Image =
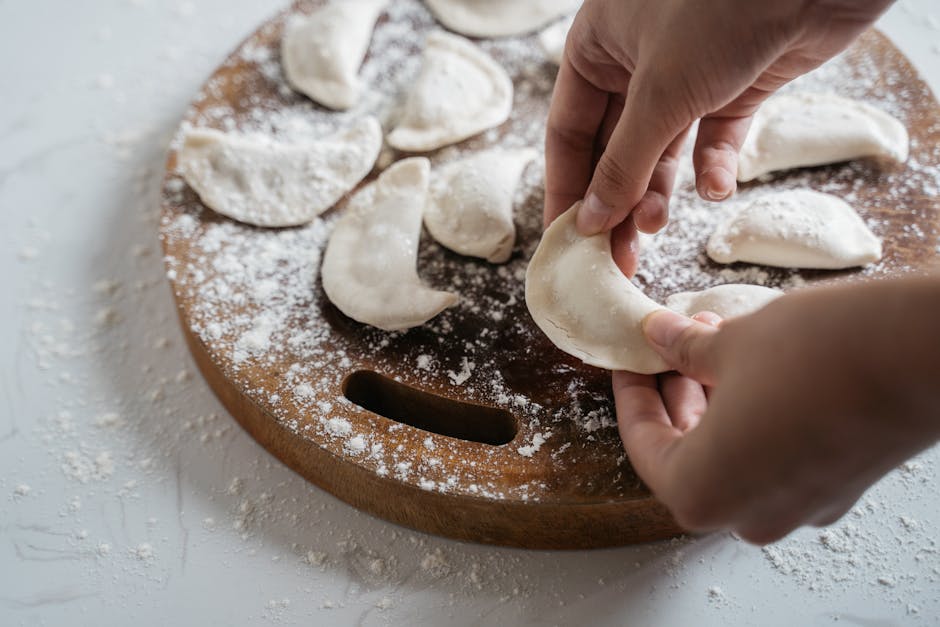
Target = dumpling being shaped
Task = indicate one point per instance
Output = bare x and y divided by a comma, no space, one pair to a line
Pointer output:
553,39
803,129
728,301
583,302
368,268
499,18
470,208
795,228
322,52
460,92
261,181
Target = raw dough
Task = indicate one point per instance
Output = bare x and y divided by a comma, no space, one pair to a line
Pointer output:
583,302
553,38
322,52
728,301
795,228
460,92
807,129
499,18
470,210
264,182
368,268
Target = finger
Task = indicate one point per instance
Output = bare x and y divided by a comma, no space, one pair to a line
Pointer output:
622,176
684,399
625,246
611,117
645,427
652,212
715,156
575,115
687,345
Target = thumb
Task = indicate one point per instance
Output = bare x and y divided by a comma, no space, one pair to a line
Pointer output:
623,173
686,344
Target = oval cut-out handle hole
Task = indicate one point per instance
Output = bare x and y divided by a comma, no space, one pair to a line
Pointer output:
430,412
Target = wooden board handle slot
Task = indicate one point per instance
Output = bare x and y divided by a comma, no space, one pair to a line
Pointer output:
430,412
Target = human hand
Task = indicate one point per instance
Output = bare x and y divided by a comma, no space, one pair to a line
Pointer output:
635,75
813,399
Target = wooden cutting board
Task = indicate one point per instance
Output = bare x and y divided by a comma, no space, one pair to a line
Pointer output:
474,426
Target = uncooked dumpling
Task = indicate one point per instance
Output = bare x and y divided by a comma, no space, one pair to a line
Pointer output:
499,18
808,129
322,52
368,268
795,228
470,211
460,92
553,39
728,301
583,302
261,181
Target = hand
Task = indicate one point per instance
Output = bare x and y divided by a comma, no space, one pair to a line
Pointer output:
814,398
636,74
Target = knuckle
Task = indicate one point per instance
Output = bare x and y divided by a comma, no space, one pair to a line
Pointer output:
612,172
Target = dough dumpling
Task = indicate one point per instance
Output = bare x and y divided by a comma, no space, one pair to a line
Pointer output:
553,39
460,92
583,302
470,210
261,181
368,268
728,301
499,18
801,129
795,228
322,52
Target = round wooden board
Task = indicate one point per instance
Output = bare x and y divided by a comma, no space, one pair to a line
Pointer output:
553,475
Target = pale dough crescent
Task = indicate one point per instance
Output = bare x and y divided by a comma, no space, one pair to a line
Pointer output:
583,302
368,268
802,129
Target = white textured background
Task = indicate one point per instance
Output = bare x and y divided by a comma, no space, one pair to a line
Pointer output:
129,497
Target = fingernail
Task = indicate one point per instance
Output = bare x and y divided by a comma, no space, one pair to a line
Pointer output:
592,216
716,192
663,328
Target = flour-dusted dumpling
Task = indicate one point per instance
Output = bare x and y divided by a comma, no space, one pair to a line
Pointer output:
728,301
583,302
553,39
460,92
368,268
470,210
808,129
322,52
261,181
499,18
795,228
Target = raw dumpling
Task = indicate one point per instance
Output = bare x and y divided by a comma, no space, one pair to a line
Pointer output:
583,302
728,301
460,92
795,228
322,52
470,210
808,129
499,18
553,39
264,182
368,268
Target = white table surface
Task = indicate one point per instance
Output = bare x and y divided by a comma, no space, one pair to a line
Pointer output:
129,497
